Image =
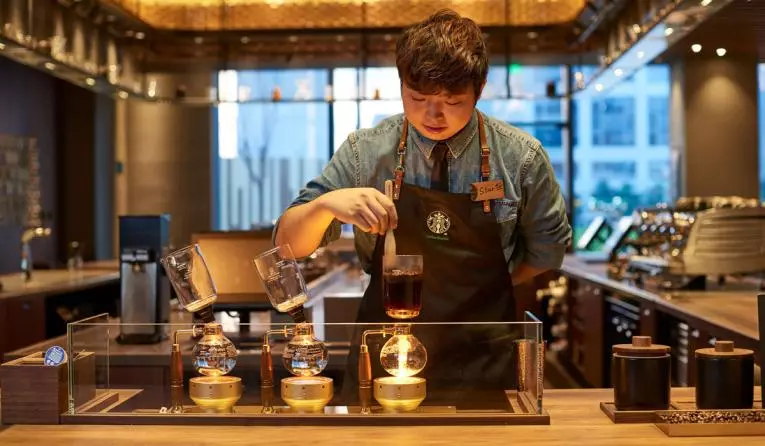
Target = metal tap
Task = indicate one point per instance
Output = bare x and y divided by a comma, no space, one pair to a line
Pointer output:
26,250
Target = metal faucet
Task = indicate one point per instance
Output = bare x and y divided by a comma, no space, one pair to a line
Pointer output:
26,250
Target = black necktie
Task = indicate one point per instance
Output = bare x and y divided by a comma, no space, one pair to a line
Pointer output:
439,176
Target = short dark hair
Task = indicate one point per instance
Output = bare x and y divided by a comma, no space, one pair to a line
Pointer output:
445,52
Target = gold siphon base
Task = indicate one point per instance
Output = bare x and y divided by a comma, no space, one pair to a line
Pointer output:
307,394
399,393
215,394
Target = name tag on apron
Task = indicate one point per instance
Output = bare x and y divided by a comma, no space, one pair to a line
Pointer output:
487,190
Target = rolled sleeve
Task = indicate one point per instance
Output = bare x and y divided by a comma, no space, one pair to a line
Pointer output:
340,172
544,225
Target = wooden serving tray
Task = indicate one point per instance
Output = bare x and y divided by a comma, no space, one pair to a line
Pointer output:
683,419
711,423
106,412
631,416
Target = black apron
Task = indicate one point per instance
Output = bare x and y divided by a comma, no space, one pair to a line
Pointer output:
466,279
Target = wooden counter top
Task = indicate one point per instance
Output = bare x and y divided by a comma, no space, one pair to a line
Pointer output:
56,281
575,419
733,309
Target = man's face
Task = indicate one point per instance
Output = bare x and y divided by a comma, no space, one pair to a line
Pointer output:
438,116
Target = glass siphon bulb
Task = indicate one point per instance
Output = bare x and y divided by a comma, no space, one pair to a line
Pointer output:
304,355
403,355
214,354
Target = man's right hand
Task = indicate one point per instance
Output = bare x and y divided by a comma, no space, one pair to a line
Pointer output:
367,208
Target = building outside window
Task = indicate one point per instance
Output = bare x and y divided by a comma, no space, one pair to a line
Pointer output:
621,146
658,120
613,121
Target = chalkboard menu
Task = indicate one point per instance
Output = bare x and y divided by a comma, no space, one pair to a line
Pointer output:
19,181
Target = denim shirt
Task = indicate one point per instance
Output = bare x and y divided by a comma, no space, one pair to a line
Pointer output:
534,228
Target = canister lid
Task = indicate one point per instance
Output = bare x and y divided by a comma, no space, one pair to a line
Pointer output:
723,349
641,346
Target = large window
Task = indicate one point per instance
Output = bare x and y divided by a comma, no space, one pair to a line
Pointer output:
268,150
613,121
658,120
621,147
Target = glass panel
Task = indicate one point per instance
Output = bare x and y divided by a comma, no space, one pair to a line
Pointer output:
761,114
345,120
87,348
492,368
621,148
269,154
372,112
537,81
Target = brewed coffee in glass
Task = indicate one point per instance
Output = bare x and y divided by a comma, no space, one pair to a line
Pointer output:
402,286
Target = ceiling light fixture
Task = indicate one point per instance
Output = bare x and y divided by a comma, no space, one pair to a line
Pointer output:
245,40
139,35
705,2
721,51
198,40
696,48
532,35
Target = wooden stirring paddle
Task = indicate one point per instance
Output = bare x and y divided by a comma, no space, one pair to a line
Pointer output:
390,241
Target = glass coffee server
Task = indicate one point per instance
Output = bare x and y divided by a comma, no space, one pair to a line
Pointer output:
301,371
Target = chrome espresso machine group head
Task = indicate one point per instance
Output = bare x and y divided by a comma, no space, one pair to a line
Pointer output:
679,246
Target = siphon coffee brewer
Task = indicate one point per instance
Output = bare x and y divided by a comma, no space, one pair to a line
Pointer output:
641,375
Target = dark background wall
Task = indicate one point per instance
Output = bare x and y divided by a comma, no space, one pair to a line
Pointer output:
75,132
166,151
85,135
27,103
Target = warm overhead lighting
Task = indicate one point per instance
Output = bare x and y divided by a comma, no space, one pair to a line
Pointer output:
618,72
388,37
599,87
721,51
245,40
340,38
139,35
668,32
532,35
90,81
696,48
705,2
198,40
293,39
123,94
50,66
640,54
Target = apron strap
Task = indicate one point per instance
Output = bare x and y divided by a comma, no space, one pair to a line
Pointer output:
485,168
399,173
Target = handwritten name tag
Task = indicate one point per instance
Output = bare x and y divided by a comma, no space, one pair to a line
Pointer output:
487,190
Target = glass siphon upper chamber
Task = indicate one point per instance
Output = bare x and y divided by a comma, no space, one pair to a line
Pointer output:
214,354
304,355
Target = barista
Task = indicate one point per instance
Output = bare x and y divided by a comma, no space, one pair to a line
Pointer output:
473,249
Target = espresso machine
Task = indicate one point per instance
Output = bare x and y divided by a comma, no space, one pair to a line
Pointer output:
144,286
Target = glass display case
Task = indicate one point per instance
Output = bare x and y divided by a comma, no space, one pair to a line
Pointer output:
389,373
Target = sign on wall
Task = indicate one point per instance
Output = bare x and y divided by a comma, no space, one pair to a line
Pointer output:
19,181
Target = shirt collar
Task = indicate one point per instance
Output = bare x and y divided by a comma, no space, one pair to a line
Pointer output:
457,143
